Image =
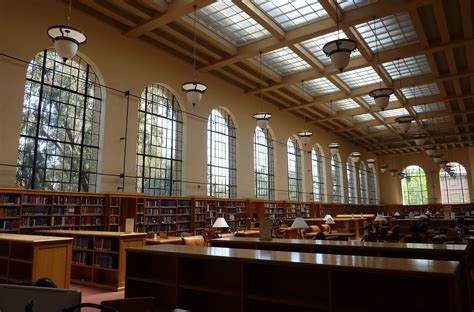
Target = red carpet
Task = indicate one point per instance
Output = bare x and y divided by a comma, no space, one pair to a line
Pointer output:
96,295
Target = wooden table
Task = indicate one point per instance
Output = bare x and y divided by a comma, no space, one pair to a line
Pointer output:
169,240
256,280
26,258
247,233
343,235
354,225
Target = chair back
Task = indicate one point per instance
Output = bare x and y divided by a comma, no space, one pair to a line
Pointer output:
197,240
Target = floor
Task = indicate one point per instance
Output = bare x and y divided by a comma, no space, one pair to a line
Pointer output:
96,295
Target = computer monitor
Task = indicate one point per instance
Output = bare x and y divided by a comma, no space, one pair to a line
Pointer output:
16,298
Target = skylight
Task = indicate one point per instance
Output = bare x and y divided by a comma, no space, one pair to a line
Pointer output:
432,107
359,77
408,67
361,118
291,14
393,112
376,128
392,31
315,46
347,5
229,21
436,120
419,91
319,86
342,105
284,61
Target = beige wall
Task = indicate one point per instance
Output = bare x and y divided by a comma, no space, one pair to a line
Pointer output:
129,64
391,186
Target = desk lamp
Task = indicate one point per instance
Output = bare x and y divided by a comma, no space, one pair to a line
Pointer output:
330,221
327,217
379,218
220,223
298,224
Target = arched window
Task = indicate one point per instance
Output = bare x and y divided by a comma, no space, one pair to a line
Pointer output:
336,179
317,165
454,187
294,170
60,127
414,187
159,142
221,167
364,194
351,184
373,194
263,164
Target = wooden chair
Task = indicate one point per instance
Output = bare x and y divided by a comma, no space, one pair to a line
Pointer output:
197,240
142,304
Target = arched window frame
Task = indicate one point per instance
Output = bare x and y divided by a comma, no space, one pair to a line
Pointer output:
61,123
364,192
221,163
454,189
414,186
373,191
336,174
317,172
294,170
159,142
263,164
351,181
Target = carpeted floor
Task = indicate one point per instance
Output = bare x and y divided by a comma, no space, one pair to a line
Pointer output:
96,295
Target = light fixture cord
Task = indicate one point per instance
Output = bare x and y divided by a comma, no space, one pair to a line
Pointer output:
261,77
302,91
194,45
337,19
377,50
69,13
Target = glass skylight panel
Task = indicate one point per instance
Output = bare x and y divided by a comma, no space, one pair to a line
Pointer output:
370,100
393,112
376,128
284,61
361,118
229,21
408,67
291,14
319,86
342,105
419,91
347,5
392,31
436,120
359,77
432,107
315,46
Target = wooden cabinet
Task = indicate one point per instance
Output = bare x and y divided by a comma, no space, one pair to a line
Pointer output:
98,258
26,258
212,279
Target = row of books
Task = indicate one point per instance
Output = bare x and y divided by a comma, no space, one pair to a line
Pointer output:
12,199
67,200
35,210
105,261
9,212
82,242
93,201
36,199
35,221
7,225
66,210
106,244
81,257
113,220
90,220
92,210
58,221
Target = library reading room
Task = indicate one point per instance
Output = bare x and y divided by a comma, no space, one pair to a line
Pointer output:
237,155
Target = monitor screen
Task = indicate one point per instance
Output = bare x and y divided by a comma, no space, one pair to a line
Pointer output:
16,298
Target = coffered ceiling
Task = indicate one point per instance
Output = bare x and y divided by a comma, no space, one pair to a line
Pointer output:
424,50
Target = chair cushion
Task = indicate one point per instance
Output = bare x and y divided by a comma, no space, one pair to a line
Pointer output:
325,227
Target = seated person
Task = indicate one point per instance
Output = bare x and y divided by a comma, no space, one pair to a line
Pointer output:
416,236
320,236
369,234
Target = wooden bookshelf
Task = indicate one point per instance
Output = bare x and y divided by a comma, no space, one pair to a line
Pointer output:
261,280
26,258
98,258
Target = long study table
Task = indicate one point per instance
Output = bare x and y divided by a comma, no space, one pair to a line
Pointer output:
213,278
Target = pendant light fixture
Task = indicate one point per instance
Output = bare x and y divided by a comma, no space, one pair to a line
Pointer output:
404,122
437,157
419,138
381,95
339,50
304,135
333,148
262,118
371,163
393,172
355,156
383,168
194,90
429,149
66,38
